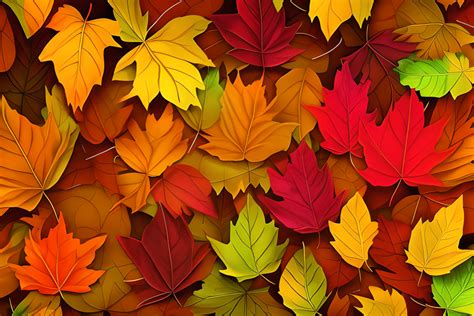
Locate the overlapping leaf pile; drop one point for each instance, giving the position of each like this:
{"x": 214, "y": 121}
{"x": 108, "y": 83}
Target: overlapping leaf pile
{"x": 248, "y": 157}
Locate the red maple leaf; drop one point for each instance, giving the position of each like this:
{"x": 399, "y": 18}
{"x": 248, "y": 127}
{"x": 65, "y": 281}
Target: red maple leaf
{"x": 183, "y": 187}
{"x": 388, "y": 250}
{"x": 258, "y": 33}
{"x": 401, "y": 148}
{"x": 309, "y": 201}
{"x": 376, "y": 60}
{"x": 345, "y": 108}
{"x": 167, "y": 258}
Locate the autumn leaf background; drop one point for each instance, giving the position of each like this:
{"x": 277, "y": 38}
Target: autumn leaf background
{"x": 241, "y": 157}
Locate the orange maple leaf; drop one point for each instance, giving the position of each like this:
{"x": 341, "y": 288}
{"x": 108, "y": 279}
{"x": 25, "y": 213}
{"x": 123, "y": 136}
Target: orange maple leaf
{"x": 58, "y": 262}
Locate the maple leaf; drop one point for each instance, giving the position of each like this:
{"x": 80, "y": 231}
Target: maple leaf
{"x": 258, "y": 33}
{"x": 253, "y": 248}
{"x": 433, "y": 246}
{"x": 33, "y": 157}
{"x": 31, "y": 14}
{"x": 104, "y": 115}
{"x": 58, "y": 263}
{"x": 348, "y": 103}
{"x": 149, "y": 153}
{"x": 299, "y": 87}
{"x": 234, "y": 176}
{"x": 376, "y": 60}
{"x": 159, "y": 256}
{"x": 388, "y": 251}
{"x": 354, "y": 234}
{"x": 77, "y": 51}
{"x": 170, "y": 53}
{"x": 422, "y": 22}
{"x": 384, "y": 303}
{"x": 8, "y": 52}
{"x": 332, "y": 14}
{"x": 303, "y": 284}
{"x": 454, "y": 291}
{"x": 246, "y": 129}
{"x": 183, "y": 187}
{"x": 401, "y": 148}
{"x": 307, "y": 191}
{"x": 223, "y": 296}
{"x": 459, "y": 133}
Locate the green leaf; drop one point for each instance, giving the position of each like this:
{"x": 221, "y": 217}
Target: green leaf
{"x": 455, "y": 291}
{"x": 210, "y": 101}
{"x": 253, "y": 249}
{"x": 38, "y": 304}
{"x": 303, "y": 284}
{"x": 223, "y": 296}
{"x": 436, "y": 78}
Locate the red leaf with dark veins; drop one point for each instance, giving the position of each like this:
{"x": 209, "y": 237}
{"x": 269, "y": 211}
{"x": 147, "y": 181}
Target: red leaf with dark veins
{"x": 258, "y": 33}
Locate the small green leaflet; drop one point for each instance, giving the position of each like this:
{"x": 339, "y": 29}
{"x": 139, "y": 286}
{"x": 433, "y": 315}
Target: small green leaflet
{"x": 38, "y": 304}
{"x": 200, "y": 119}
{"x": 303, "y": 284}
{"x": 455, "y": 291}
{"x": 253, "y": 249}
{"x": 436, "y": 78}
{"x": 223, "y": 296}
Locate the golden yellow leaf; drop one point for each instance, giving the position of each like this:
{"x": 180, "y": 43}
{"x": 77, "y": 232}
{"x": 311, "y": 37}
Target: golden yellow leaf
{"x": 383, "y": 303}
{"x": 32, "y": 157}
{"x": 77, "y": 51}
{"x": 299, "y": 87}
{"x": 163, "y": 64}
{"x": 30, "y": 13}
{"x": 148, "y": 153}
{"x": 422, "y": 22}
{"x": 354, "y": 235}
{"x": 433, "y": 246}
{"x": 332, "y": 13}
{"x": 246, "y": 129}
{"x": 235, "y": 176}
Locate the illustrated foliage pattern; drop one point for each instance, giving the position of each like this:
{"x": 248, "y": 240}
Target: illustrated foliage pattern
{"x": 247, "y": 157}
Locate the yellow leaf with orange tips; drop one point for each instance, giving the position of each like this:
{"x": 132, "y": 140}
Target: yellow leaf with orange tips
{"x": 30, "y": 13}
{"x": 355, "y": 233}
{"x": 433, "y": 246}
{"x": 77, "y": 51}
{"x": 148, "y": 153}
{"x": 246, "y": 129}
{"x": 422, "y": 22}
{"x": 384, "y": 303}
{"x": 32, "y": 158}
{"x": 58, "y": 262}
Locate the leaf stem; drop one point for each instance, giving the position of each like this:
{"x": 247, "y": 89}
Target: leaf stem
{"x": 297, "y": 6}
{"x": 329, "y": 51}
{"x": 162, "y": 14}
{"x": 52, "y": 206}
{"x": 266, "y": 279}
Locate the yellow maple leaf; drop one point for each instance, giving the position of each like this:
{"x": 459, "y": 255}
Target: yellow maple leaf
{"x": 332, "y": 13}
{"x": 355, "y": 233}
{"x": 422, "y": 22}
{"x": 433, "y": 246}
{"x": 246, "y": 129}
{"x": 383, "y": 303}
{"x": 77, "y": 51}
{"x": 163, "y": 63}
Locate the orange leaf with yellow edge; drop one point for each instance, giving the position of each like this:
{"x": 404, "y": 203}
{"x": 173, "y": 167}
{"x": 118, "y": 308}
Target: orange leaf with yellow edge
{"x": 58, "y": 263}
{"x": 77, "y": 51}
{"x": 355, "y": 233}
{"x": 422, "y": 22}
{"x": 433, "y": 246}
{"x": 148, "y": 153}
{"x": 246, "y": 129}
{"x": 447, "y": 3}
{"x": 32, "y": 157}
